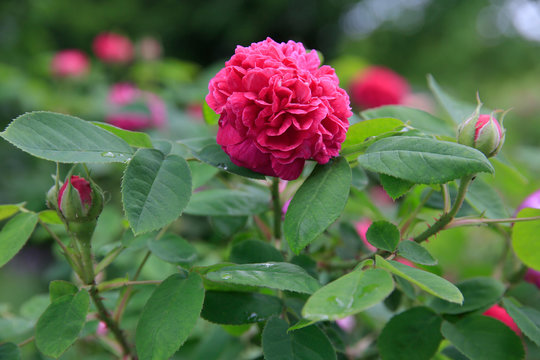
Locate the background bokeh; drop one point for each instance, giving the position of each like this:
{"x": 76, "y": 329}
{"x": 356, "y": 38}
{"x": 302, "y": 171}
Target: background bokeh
{"x": 486, "y": 46}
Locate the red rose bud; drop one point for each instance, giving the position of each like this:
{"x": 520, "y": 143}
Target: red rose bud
{"x": 482, "y": 132}
{"x": 79, "y": 200}
{"x": 278, "y": 108}
{"x": 499, "y": 313}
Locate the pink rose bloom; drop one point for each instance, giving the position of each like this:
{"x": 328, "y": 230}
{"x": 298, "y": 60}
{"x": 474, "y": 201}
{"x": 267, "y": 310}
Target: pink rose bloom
{"x": 378, "y": 86}
{"x": 533, "y": 276}
{"x": 70, "y": 63}
{"x": 278, "y": 108}
{"x": 499, "y": 313}
{"x": 362, "y": 227}
{"x": 113, "y": 48}
{"x": 532, "y": 201}
{"x": 134, "y": 109}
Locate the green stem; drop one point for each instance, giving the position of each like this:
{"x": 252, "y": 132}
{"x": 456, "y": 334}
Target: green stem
{"x": 107, "y": 260}
{"x": 447, "y": 217}
{"x": 470, "y": 222}
{"x": 110, "y": 286}
{"x": 111, "y": 324}
{"x": 82, "y": 235}
{"x": 277, "y": 208}
{"x": 73, "y": 261}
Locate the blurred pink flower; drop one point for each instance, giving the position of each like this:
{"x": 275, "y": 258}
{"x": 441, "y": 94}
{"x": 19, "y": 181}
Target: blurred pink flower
{"x": 134, "y": 109}
{"x": 419, "y": 101}
{"x": 347, "y": 324}
{"x": 499, "y": 313}
{"x": 102, "y": 329}
{"x": 533, "y": 276}
{"x": 405, "y": 261}
{"x": 362, "y": 227}
{"x": 380, "y": 196}
{"x": 278, "y": 108}
{"x": 532, "y": 201}
{"x": 70, "y": 63}
{"x": 195, "y": 110}
{"x": 113, "y": 48}
{"x": 378, "y": 86}
{"x": 285, "y": 208}
{"x": 149, "y": 48}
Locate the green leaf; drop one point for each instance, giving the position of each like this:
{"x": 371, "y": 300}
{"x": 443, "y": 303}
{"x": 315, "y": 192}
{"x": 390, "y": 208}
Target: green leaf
{"x": 15, "y": 234}
{"x": 201, "y": 173}
{"x": 173, "y": 249}
{"x": 426, "y": 281}
{"x": 65, "y": 138}
{"x": 282, "y": 276}
{"x": 213, "y": 154}
{"x": 418, "y": 119}
{"x": 169, "y": 316}
{"x": 416, "y": 253}
{"x": 484, "y": 199}
{"x": 525, "y": 239}
{"x": 477, "y": 293}
{"x": 210, "y": 116}
{"x": 133, "y": 138}
{"x": 359, "y": 132}
{"x": 236, "y": 308}
{"x": 458, "y": 110}
{"x": 10, "y": 351}
{"x": 395, "y": 187}
{"x": 155, "y": 189}
{"x": 302, "y": 323}
{"x": 423, "y": 160}
{"x": 529, "y": 328}
{"x": 348, "y": 295}
{"x": 227, "y": 226}
{"x": 6, "y": 211}
{"x": 359, "y": 178}
{"x": 317, "y": 203}
{"x": 308, "y": 343}
{"x": 59, "y": 288}
{"x": 483, "y": 338}
{"x": 412, "y": 334}
{"x": 34, "y": 307}
{"x": 221, "y": 202}
{"x": 60, "y": 325}
{"x": 254, "y": 251}
{"x": 50, "y": 217}
{"x": 383, "y": 235}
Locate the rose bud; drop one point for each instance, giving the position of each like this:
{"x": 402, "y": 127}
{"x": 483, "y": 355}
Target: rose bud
{"x": 278, "y": 108}
{"x": 69, "y": 63}
{"x": 532, "y": 201}
{"x": 533, "y": 276}
{"x": 113, "y": 48}
{"x": 79, "y": 200}
{"x": 499, "y": 313}
{"x": 378, "y": 86}
{"x": 482, "y": 132}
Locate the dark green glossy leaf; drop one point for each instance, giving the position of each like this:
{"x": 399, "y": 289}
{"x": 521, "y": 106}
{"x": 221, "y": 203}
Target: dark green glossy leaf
{"x": 173, "y": 249}
{"x": 169, "y": 316}
{"x": 412, "y": 334}
{"x": 59, "y": 288}
{"x": 236, "y": 308}
{"x": 477, "y": 293}
{"x": 201, "y": 173}
{"x": 317, "y": 203}
{"x": 523, "y": 321}
{"x": 254, "y": 251}
{"x": 416, "y": 253}
{"x": 155, "y": 189}
{"x": 282, "y": 276}
{"x": 426, "y": 281}
{"x": 221, "y": 202}
{"x": 14, "y": 235}
{"x": 133, "y": 138}
{"x": 60, "y": 325}
{"x": 383, "y": 235}
{"x": 308, "y": 343}
{"x": 65, "y": 138}
{"x": 348, "y": 295}
{"x": 423, "y": 160}
{"x": 483, "y": 338}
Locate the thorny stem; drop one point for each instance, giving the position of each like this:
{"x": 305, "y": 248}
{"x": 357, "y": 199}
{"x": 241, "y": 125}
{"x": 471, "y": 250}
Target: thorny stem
{"x": 111, "y": 324}
{"x": 447, "y": 217}
{"x": 277, "y": 208}
{"x": 446, "y": 197}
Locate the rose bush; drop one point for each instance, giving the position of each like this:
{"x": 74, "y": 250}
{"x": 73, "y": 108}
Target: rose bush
{"x": 278, "y": 108}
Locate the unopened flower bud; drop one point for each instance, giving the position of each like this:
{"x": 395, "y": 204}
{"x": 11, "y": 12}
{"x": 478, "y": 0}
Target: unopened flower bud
{"x": 52, "y": 198}
{"x": 482, "y": 132}
{"x": 79, "y": 200}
